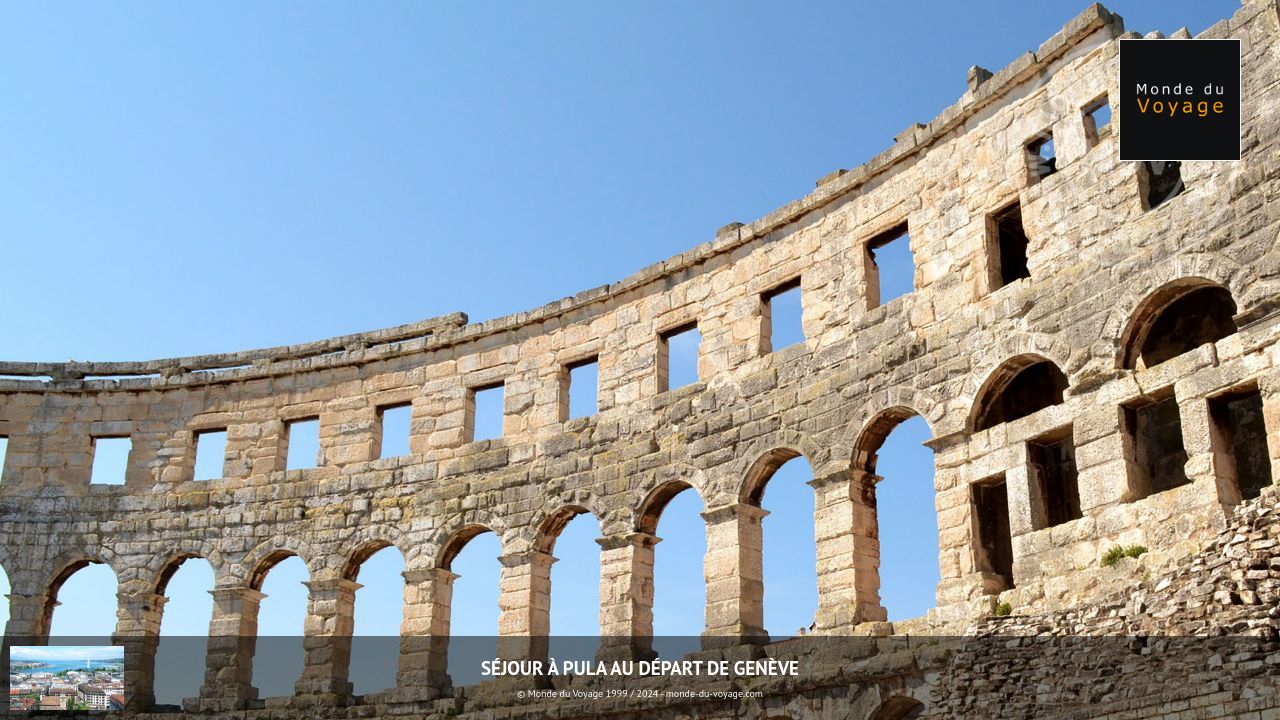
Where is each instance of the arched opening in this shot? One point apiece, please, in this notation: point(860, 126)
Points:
point(898, 708)
point(788, 547)
point(1177, 318)
point(472, 555)
point(82, 603)
point(891, 451)
point(184, 629)
point(673, 513)
point(570, 535)
point(378, 613)
point(1019, 387)
point(278, 656)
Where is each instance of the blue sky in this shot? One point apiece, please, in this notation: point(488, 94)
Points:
point(224, 176)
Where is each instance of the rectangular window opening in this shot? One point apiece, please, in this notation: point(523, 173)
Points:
point(1239, 439)
point(394, 424)
point(1154, 451)
point(580, 389)
point(1097, 117)
point(1053, 475)
point(1008, 243)
point(994, 549)
point(781, 317)
point(678, 356)
point(303, 439)
point(211, 454)
point(1042, 158)
point(485, 412)
point(4, 452)
point(890, 266)
point(110, 460)
point(1160, 181)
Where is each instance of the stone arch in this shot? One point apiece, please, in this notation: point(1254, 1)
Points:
point(258, 562)
point(457, 540)
point(757, 456)
point(264, 565)
point(362, 552)
point(1240, 281)
point(162, 566)
point(655, 490)
point(873, 434)
point(549, 518)
point(755, 539)
point(69, 564)
point(170, 569)
point(876, 501)
point(1208, 305)
point(553, 524)
point(656, 501)
point(912, 401)
point(898, 707)
point(1019, 386)
point(760, 471)
point(365, 657)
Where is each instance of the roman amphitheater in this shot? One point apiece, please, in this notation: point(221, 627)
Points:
point(1092, 343)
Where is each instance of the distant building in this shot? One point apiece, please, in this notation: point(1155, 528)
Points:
point(93, 696)
point(21, 703)
point(53, 702)
point(117, 702)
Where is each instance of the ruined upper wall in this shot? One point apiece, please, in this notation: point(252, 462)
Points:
point(986, 89)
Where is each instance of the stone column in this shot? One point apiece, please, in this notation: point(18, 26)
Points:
point(1102, 459)
point(1196, 439)
point(424, 632)
point(327, 639)
point(28, 618)
point(28, 625)
point(1269, 389)
point(233, 635)
point(735, 582)
point(848, 545)
point(138, 631)
point(626, 596)
point(1026, 508)
point(524, 603)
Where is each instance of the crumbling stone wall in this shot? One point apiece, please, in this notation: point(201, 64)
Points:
point(1103, 266)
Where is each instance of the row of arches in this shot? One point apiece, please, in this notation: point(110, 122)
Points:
point(788, 560)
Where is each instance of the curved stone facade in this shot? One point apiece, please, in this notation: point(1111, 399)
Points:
point(1103, 265)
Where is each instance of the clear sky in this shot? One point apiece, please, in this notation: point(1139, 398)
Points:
point(214, 177)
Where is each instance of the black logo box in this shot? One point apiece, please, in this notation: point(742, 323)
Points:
point(1186, 65)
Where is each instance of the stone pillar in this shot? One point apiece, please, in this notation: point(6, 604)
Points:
point(327, 639)
point(233, 635)
point(626, 596)
point(848, 545)
point(524, 603)
point(27, 626)
point(1026, 508)
point(424, 632)
point(735, 582)
point(28, 618)
point(1197, 439)
point(1102, 458)
point(138, 631)
point(1269, 389)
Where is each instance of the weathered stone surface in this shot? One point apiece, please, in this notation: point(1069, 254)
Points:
point(1101, 265)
